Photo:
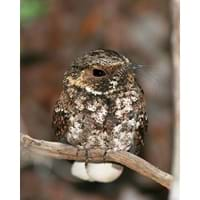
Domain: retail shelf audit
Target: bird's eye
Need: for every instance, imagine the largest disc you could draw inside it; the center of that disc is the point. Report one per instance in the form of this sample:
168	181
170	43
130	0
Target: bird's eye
98	72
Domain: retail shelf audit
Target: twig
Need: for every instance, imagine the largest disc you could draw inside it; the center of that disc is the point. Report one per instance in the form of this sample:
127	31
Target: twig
64	151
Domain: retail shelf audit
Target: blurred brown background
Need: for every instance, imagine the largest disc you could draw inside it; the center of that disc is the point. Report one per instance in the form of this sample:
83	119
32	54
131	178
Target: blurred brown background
53	33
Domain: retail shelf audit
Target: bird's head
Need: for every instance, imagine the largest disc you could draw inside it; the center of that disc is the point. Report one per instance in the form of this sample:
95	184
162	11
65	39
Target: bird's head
99	72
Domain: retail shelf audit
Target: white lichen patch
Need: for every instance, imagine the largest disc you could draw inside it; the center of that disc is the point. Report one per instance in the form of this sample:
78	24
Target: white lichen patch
137	124
114	83
133	95
134	99
118	103
124	105
100	114
123	134
117	128
123	102
92	107
97	139
131	123
76	129
120	113
123	141
71	119
71	92
79	104
57	109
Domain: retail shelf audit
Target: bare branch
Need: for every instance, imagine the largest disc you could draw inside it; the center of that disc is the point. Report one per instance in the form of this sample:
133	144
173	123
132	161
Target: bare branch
63	151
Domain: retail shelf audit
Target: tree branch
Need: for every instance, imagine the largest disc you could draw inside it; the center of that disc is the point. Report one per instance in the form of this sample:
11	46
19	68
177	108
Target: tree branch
63	151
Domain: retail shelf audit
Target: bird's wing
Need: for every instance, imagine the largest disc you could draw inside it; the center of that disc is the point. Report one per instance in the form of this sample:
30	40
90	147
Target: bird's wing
60	119
140	131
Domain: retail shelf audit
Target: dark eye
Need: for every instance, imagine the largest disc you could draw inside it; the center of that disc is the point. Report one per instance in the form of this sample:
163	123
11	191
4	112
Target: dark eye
98	72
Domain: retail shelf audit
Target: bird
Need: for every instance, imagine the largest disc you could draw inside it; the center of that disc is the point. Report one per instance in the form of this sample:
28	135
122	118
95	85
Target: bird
101	106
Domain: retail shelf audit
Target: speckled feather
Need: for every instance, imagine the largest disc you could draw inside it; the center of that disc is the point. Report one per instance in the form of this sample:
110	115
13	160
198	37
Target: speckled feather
107	111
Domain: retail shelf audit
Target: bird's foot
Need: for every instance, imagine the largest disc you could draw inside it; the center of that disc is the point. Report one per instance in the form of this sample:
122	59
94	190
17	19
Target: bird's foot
86	157
77	151
105	154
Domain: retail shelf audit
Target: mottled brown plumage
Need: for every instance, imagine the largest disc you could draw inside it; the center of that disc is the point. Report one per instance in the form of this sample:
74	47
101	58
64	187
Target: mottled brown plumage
101	105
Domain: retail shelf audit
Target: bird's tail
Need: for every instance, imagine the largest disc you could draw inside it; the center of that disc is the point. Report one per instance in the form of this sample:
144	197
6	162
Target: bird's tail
99	172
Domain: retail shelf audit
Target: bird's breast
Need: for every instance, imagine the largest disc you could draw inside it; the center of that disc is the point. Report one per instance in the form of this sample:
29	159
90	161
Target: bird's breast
99	122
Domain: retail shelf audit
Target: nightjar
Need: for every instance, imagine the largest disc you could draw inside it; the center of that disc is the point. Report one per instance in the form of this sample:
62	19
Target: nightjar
101	106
